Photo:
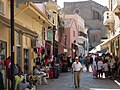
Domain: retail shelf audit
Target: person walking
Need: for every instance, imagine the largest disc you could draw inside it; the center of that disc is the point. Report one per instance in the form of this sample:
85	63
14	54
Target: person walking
77	67
100	68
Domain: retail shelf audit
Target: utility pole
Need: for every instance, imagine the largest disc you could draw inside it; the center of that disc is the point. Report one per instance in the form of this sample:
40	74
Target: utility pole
54	30
12	35
12	43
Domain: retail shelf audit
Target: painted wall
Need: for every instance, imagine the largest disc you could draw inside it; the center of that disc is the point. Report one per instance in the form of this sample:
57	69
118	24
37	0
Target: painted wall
4	36
69	31
22	17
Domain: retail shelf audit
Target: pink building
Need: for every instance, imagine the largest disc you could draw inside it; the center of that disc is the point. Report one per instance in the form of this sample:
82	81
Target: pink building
69	39
82	40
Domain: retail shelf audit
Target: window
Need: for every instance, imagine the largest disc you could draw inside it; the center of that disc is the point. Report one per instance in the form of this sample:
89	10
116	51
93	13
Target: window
33	43
3	49
1	7
73	33
96	15
26	61
107	13
77	11
18	38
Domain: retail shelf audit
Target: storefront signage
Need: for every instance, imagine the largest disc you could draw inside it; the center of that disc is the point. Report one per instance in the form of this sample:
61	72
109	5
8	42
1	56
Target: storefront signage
49	35
65	50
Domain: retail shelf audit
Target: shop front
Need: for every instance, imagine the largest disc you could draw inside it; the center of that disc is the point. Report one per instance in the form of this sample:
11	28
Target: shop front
49	43
48	47
112	45
22	41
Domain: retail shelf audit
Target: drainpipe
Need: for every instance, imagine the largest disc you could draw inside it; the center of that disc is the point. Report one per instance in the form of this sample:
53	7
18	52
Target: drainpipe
27	6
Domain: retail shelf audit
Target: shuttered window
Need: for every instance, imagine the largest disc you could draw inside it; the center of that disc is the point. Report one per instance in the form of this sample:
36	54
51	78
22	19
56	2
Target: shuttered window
1	7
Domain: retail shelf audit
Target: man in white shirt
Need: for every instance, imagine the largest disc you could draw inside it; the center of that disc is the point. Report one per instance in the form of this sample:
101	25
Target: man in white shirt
77	67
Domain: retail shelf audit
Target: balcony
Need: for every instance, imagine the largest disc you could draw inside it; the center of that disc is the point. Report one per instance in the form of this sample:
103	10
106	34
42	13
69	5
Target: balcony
116	6
82	34
109	19
82	37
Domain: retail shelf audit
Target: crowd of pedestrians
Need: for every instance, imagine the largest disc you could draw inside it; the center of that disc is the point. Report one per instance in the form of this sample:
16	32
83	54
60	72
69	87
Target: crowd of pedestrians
107	64
104	66
23	81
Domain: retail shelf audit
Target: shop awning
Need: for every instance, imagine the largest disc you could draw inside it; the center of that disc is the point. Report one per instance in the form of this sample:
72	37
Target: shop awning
18	27
103	50
94	50
106	43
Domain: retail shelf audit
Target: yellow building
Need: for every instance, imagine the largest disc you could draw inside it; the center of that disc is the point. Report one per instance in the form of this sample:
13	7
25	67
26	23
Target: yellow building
52	7
30	22
112	22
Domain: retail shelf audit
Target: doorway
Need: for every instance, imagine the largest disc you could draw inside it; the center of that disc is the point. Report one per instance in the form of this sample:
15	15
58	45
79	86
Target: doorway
26	61
18	56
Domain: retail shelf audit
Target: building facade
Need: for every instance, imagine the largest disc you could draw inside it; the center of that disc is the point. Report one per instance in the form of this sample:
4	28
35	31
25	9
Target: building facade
82	33
71	35
112	22
30	25
92	13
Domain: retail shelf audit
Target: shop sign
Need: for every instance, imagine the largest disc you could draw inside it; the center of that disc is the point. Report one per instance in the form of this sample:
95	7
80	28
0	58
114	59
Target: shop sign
49	35
65	50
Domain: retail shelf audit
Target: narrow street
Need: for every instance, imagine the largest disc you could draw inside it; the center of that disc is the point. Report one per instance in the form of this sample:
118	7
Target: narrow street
65	82
39	38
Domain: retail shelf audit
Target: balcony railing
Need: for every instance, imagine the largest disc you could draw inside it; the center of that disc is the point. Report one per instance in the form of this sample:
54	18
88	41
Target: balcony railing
116	5
108	18
82	34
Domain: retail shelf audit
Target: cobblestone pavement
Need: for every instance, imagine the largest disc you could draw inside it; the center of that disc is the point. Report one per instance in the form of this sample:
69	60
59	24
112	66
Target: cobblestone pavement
65	82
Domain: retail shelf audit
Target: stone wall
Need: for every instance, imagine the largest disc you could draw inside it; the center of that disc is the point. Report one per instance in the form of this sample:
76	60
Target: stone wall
85	9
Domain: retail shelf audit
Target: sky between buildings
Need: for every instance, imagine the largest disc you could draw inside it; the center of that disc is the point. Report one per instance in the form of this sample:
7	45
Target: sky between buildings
102	2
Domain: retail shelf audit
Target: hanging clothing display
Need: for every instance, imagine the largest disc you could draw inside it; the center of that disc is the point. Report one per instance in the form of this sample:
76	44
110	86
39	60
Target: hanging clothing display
40	49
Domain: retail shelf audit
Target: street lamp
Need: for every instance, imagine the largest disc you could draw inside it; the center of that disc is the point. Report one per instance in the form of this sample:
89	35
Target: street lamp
12	34
54	30
12	43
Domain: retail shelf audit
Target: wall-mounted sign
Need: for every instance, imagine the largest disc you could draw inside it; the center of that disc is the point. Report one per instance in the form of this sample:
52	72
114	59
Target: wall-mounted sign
65	50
